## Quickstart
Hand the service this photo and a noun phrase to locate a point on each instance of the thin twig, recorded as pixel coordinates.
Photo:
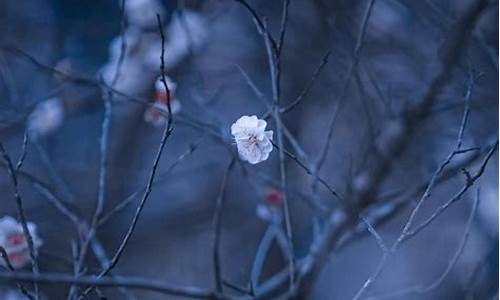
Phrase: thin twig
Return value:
(22, 215)
(407, 233)
(274, 69)
(103, 147)
(340, 99)
(261, 255)
(164, 175)
(469, 183)
(79, 223)
(217, 228)
(422, 289)
(377, 216)
(56, 178)
(166, 134)
(383, 163)
(378, 238)
(128, 282)
(162, 70)
(283, 27)
(259, 23)
(320, 179)
(24, 152)
(307, 88)
(9, 266)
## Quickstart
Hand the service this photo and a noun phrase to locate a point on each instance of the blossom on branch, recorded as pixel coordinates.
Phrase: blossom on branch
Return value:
(13, 240)
(142, 13)
(156, 114)
(186, 34)
(253, 142)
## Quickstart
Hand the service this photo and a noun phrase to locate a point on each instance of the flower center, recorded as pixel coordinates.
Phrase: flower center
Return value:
(252, 139)
(15, 239)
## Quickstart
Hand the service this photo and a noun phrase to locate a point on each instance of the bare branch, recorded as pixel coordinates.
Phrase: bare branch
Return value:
(309, 84)
(24, 152)
(407, 233)
(284, 23)
(217, 227)
(421, 289)
(166, 134)
(128, 282)
(22, 215)
(161, 177)
(334, 228)
(21, 287)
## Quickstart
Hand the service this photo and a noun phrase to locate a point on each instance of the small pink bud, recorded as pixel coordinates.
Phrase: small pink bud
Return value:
(274, 198)
(15, 239)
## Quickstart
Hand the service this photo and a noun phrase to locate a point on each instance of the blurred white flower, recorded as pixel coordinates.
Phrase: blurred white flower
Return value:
(47, 117)
(264, 212)
(153, 114)
(132, 39)
(12, 239)
(187, 32)
(133, 79)
(160, 87)
(142, 13)
(253, 142)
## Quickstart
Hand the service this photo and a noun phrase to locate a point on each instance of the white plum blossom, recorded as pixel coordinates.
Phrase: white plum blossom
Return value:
(185, 35)
(152, 114)
(47, 117)
(253, 142)
(142, 13)
(133, 77)
(14, 242)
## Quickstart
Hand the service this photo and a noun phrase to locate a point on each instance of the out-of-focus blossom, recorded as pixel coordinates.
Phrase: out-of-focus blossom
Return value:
(161, 91)
(264, 212)
(186, 34)
(46, 118)
(153, 114)
(14, 242)
(132, 79)
(253, 142)
(142, 13)
(132, 38)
